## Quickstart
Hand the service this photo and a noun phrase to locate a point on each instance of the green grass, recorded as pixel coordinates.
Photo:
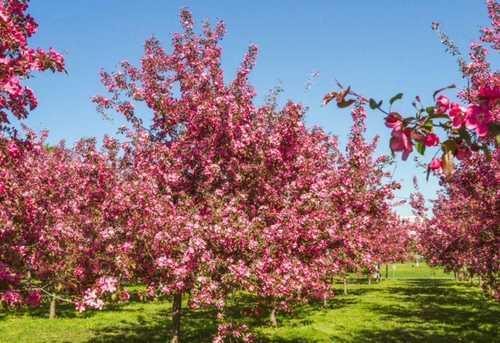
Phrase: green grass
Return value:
(411, 271)
(415, 308)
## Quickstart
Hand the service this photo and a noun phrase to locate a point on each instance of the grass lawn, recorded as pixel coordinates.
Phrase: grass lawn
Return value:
(421, 306)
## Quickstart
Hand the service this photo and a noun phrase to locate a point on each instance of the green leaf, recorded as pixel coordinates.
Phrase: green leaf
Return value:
(373, 104)
(449, 146)
(465, 135)
(494, 129)
(430, 110)
(442, 89)
(346, 103)
(428, 125)
(420, 148)
(438, 116)
(395, 98)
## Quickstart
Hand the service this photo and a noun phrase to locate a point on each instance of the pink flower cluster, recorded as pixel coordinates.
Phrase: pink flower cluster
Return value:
(402, 137)
(93, 297)
(18, 60)
(474, 117)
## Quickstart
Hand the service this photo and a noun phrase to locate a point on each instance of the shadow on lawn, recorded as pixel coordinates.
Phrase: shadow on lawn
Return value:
(434, 311)
(424, 311)
(201, 325)
(197, 326)
(62, 311)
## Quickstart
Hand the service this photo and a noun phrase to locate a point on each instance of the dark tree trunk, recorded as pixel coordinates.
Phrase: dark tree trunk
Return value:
(176, 318)
(345, 285)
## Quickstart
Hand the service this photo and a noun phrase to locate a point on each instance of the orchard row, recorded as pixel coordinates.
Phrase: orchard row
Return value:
(219, 195)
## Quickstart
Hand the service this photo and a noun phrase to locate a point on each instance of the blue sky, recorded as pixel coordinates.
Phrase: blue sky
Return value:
(379, 47)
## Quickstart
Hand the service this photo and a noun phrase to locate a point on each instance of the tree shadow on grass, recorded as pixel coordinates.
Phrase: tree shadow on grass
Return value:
(434, 311)
(196, 326)
(63, 310)
(201, 325)
(409, 335)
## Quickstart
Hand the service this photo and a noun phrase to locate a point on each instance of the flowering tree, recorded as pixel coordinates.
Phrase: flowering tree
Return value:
(58, 234)
(18, 61)
(290, 200)
(463, 232)
(371, 232)
(204, 139)
(223, 195)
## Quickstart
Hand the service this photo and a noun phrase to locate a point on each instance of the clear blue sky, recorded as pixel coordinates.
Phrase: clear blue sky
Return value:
(379, 47)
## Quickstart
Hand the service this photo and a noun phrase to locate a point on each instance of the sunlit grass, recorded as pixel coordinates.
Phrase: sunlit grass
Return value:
(422, 307)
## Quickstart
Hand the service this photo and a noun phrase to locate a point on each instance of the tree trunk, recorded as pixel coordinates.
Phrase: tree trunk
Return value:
(345, 285)
(52, 310)
(325, 301)
(176, 318)
(272, 317)
(369, 280)
(387, 271)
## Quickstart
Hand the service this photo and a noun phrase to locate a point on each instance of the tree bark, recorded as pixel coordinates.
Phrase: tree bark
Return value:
(387, 271)
(345, 285)
(52, 309)
(272, 317)
(176, 318)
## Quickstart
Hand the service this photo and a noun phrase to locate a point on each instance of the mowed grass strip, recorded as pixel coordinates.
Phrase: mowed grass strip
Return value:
(410, 309)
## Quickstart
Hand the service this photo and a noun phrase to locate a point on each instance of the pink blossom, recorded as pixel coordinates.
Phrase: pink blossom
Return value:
(91, 300)
(477, 118)
(124, 296)
(431, 140)
(80, 306)
(401, 141)
(443, 104)
(79, 272)
(11, 298)
(394, 121)
(463, 153)
(457, 115)
(107, 284)
(34, 298)
(436, 165)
